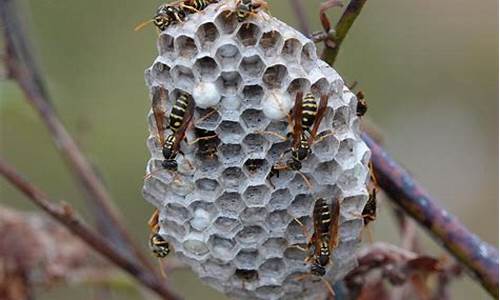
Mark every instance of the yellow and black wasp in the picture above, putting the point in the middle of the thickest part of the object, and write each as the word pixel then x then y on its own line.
pixel 195 5
pixel 166 15
pixel 158 245
pixel 362 106
pixel 247 8
pixel 369 213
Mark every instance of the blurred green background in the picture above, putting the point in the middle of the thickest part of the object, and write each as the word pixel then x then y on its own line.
pixel 429 70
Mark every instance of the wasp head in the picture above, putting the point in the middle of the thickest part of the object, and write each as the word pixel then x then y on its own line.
pixel 318 270
pixel 170 164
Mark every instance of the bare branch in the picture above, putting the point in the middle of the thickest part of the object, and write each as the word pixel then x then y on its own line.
pixel 65 215
pixel 300 13
pixel 478 256
pixel 21 66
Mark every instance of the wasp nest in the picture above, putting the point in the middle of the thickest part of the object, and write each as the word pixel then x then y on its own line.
pixel 225 216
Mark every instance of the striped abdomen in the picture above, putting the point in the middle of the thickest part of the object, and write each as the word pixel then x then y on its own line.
pixel 322 221
pixel 309 109
pixel 168 148
pixel 178 111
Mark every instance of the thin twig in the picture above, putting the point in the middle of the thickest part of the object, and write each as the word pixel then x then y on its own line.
pixel 21 66
pixel 350 14
pixel 478 256
pixel 300 13
pixel 64 214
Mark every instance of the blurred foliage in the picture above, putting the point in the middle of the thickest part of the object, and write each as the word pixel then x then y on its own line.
pixel 429 70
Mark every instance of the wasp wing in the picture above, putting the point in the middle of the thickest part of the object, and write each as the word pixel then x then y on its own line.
pixel 297 120
pixel 319 116
pixel 186 122
pixel 334 225
pixel 159 96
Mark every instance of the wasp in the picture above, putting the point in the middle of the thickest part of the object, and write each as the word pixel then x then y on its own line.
pixel 362 106
pixel 247 8
pixel 158 245
pixel 166 15
pixel 196 5
pixel 207 144
pixel 369 213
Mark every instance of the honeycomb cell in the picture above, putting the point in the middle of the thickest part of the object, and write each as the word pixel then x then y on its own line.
pixel 207 185
pixel 230 204
pixel 256 196
pixel 227 21
pixel 233 179
pixel 207 120
pixel 227 226
pixel 327 172
pixel 273 247
pixel 203 214
pixel 177 212
pixel 274 76
pixel 346 153
pixel 320 87
pixel 254 119
pixel 186 46
pixel 228 56
pixel 278 220
pixel 207 145
pixel 280 199
pixel 351 178
pixel 222 248
pixel 255 144
pixel 253 215
pixel 206 67
pixel 301 205
pixel 273 267
pixel 270 291
pixel 230 132
pixel 247 275
pixel 293 253
pixel 276 131
pixel 252 95
pixel 271 42
pixel 325 146
pixel 248 34
pixel 162 73
pixel 194 244
pixel 341 120
pixel 166 45
pixel 231 153
pixel 215 268
pixel 298 185
pixel 183 77
pixel 291 49
pixel 207 34
pixel 308 57
pixel 229 83
pixel 295 232
pixel 256 167
pixel 298 85
pixel 247 259
pixel 251 66
pixel 276 152
pixel 251 235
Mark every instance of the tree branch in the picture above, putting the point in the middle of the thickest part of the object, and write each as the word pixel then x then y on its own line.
pixel 300 13
pixel 478 256
pixel 21 66
pixel 65 215
pixel 334 40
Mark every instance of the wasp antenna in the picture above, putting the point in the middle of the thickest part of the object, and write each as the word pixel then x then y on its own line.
pixel 143 24
pixel 162 268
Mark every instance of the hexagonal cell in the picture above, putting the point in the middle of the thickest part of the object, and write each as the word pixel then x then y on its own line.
pixel 216 269
pixel 227 21
pixel 320 87
pixel 221 248
pixel 273 268
pixel 346 153
pixel 166 45
pixel 209 165
pixel 230 132
pixel 341 119
pixel 194 245
pixel 270 291
pixel 207 185
pixel 230 204
pixel 186 47
pixel 327 172
pixel 231 153
pixel 256 195
pixel 248 35
pixel 162 72
pixel 246 275
pixel 253 215
pixel 291 49
pixel 273 247
pixel 208 143
pixel 206 119
pixel 280 199
pixel 295 233
pixel 255 144
pixel 251 66
pixel 174 228
pixel 325 146
pixel 247 259
pixel 229 83
pixel 207 34
pixel 350 178
pixel 302 205
pixel 278 220
pixel 206 67
pixel 233 178
pixel 203 214
pixel 227 226
pixel 251 235
pixel 254 119
pixel 277 150
pixel 183 77
pixel 256 167
pixel 271 42
pixel 274 76
pixel 252 95
pixel 308 57
pixel 276 131
pixel 228 56
pixel 298 84
pixel 176 212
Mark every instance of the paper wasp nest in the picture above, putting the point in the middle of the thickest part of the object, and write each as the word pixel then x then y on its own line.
pixel 219 211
